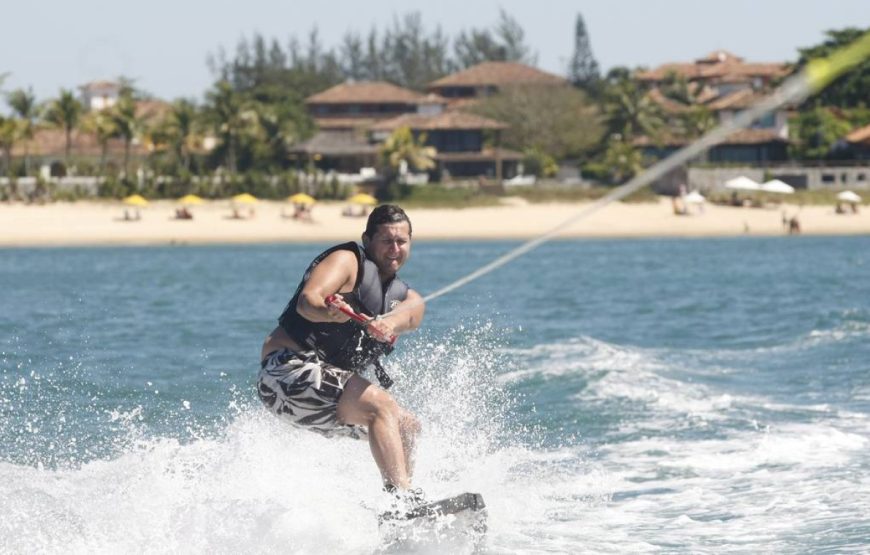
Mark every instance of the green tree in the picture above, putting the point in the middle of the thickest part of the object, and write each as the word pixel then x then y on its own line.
pixel 102 125
pixel 23 104
pixel 9 128
pixel 850 89
pixel 279 127
pixel 676 87
pixel 410 57
pixel 231 116
pixel 65 113
pixel 814 133
pixel 505 43
pixel 623 159
pixel 403 146
pixel 695 121
pixel 559 121
pixel 629 110
pixel 181 127
pixel 583 70
pixel 127 123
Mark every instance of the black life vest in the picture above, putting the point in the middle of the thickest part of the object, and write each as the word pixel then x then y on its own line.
pixel 347 345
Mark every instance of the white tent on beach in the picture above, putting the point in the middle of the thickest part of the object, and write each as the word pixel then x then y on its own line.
pixel 742 183
pixel 848 196
pixel 694 198
pixel 777 186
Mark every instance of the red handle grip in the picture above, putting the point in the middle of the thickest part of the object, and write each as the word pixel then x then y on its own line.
pixel 356 316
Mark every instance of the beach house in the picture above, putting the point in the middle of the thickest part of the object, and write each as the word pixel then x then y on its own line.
pixel 722 84
pixel 466 144
pixel 355 118
pixel 99 95
pixel 343 115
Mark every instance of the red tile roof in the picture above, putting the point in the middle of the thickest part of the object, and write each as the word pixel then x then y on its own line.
pixel 51 142
pixel 152 109
pixel 742 137
pixel 97 85
pixel 487 154
pixel 433 98
pixel 335 143
pixel 498 73
pixel 737 100
pixel 445 120
pixel 667 104
pixel 365 92
pixel 719 56
pixel 860 135
pixel 721 65
pixel 462 103
pixel 343 123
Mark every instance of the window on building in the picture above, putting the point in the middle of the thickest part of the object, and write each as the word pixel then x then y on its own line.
pixel 766 122
pixel 828 178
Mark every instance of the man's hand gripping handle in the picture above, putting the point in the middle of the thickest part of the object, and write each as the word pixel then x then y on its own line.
pixel 357 317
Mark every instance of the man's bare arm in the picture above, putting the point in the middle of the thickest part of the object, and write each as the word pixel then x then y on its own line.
pixel 335 274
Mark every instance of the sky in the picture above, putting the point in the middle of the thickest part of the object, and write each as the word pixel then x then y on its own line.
pixel 164 44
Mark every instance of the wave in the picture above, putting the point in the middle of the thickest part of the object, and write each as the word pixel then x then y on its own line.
pixel 267 486
pixel 260 485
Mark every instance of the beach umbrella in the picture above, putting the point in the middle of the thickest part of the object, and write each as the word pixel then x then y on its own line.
pixel 135 200
pixel 245 198
pixel 190 199
pixel 777 186
pixel 742 183
pixel 362 198
pixel 301 198
pixel 694 198
pixel 849 196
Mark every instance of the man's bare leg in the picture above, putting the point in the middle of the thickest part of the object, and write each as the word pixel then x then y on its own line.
pixel 409 428
pixel 362 404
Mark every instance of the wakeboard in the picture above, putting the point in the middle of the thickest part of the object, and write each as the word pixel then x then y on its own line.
pixel 464 504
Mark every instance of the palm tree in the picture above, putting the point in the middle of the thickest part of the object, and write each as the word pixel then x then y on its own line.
pixel 64 113
pixel 23 103
pixel 230 115
pixel 629 110
pixel 696 121
pixel 102 125
pixel 182 130
pixel 127 124
pixel 402 146
pixel 8 136
pixel 624 160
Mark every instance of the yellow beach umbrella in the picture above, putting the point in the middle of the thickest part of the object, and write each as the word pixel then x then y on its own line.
pixel 135 200
pixel 245 198
pixel 301 198
pixel 190 199
pixel 362 198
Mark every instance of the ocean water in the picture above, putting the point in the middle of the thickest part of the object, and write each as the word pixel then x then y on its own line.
pixel 605 396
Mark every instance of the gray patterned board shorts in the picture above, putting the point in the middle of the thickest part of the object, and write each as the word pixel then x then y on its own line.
pixel 304 390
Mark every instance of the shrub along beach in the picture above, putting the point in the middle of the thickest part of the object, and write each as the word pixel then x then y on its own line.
pixel 434 123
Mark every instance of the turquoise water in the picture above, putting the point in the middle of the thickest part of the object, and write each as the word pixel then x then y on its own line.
pixel 611 396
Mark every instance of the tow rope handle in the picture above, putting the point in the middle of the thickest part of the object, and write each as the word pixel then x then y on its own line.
pixel 356 316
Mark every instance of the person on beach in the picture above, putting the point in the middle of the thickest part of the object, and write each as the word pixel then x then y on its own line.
pixel 314 360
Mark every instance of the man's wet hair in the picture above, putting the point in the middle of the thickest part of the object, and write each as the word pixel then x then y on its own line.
pixel 385 214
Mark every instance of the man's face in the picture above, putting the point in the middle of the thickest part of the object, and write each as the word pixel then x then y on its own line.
pixel 390 247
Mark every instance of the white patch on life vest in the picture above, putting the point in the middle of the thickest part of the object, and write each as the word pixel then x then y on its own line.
pixel 394 303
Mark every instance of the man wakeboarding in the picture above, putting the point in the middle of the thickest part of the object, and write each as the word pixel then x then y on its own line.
pixel 313 361
pixel 346 313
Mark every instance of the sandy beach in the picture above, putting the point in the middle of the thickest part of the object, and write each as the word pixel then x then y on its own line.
pixel 102 223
